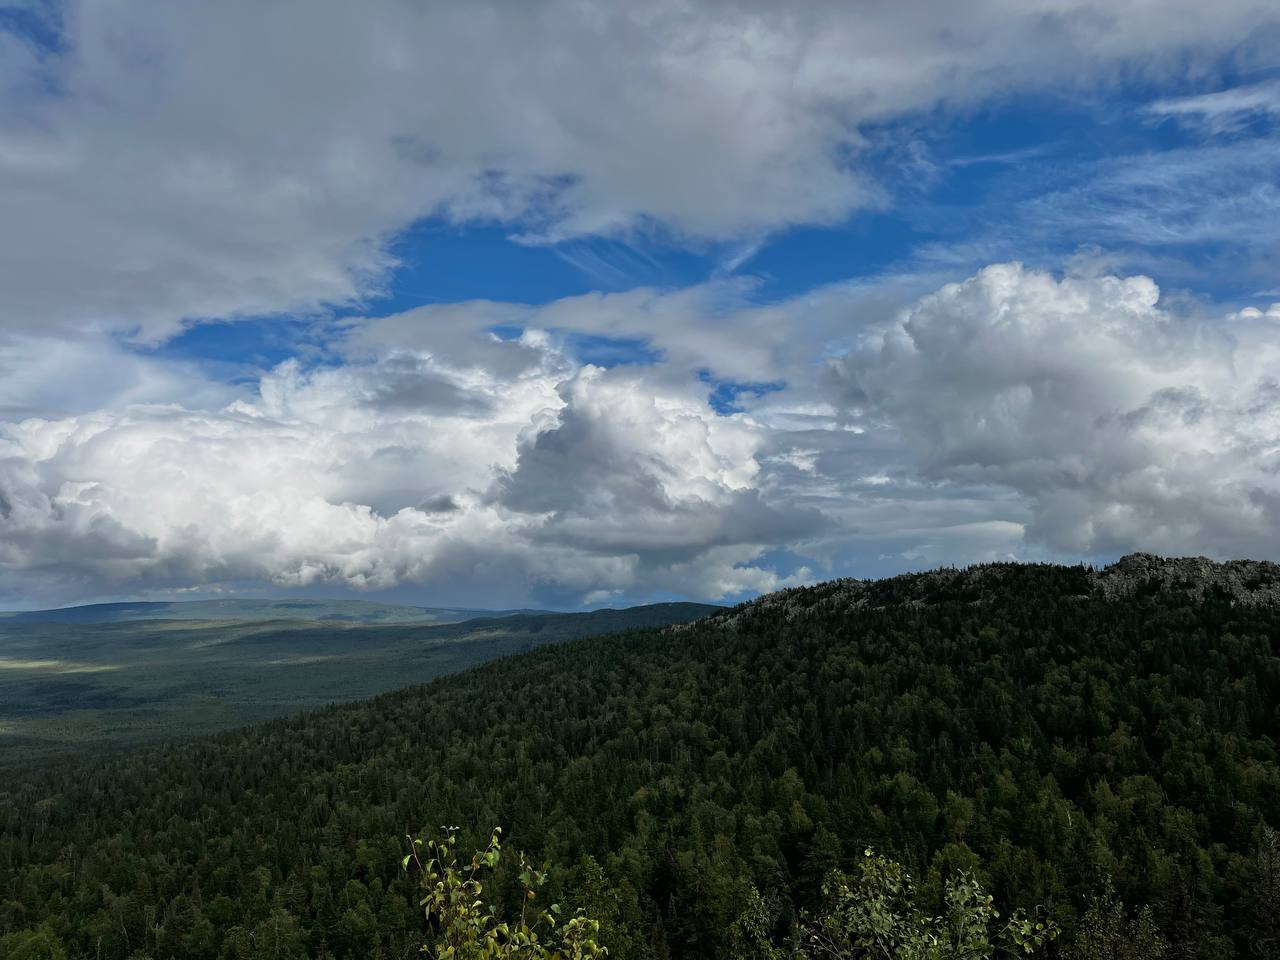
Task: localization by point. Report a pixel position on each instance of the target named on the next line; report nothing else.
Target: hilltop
(1250, 583)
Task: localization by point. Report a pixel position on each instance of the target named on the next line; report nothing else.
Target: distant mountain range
(238, 609)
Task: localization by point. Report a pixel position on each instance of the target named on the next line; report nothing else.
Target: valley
(69, 686)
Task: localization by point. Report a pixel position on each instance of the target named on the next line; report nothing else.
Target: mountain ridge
(1248, 583)
(254, 608)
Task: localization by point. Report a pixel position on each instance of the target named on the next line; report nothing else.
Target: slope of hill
(71, 687)
(346, 611)
(1022, 719)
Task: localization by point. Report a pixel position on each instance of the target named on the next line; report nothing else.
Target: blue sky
(428, 305)
(947, 181)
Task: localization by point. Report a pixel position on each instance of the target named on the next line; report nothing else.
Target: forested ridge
(1057, 733)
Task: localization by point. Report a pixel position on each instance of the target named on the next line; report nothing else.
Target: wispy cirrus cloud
(1203, 194)
(1205, 215)
(1222, 111)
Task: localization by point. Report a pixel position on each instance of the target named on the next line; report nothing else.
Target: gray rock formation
(1250, 583)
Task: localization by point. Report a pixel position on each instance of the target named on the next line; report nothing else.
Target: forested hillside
(1056, 731)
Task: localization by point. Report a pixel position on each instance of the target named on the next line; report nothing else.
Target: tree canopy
(1110, 763)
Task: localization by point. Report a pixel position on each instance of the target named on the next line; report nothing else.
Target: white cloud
(1012, 414)
(231, 159)
(1223, 110)
(715, 327)
(1119, 423)
(43, 376)
(522, 477)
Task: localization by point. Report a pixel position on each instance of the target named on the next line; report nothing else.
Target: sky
(573, 304)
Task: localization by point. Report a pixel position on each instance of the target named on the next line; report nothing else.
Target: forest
(1100, 760)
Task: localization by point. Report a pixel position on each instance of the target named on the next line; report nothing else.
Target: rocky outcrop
(1250, 583)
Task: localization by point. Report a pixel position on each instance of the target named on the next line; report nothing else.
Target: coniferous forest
(1104, 758)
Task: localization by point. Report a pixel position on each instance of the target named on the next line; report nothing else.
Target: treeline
(1053, 743)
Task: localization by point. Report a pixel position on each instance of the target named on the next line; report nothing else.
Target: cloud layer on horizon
(1014, 412)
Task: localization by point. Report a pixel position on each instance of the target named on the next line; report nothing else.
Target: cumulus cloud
(1120, 423)
(627, 469)
(529, 476)
(165, 163)
(1015, 413)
